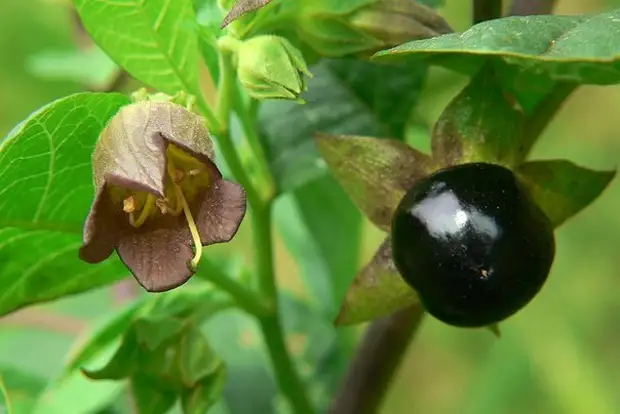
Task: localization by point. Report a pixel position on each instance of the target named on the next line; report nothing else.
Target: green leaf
(5, 403)
(152, 332)
(375, 173)
(124, 362)
(45, 164)
(195, 359)
(150, 397)
(155, 41)
(389, 91)
(562, 48)
(562, 188)
(341, 99)
(378, 290)
(205, 394)
(479, 124)
(102, 337)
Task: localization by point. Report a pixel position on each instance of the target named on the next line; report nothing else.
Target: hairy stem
(486, 10)
(531, 7)
(376, 361)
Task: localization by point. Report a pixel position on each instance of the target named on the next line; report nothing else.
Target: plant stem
(531, 7)
(226, 92)
(543, 113)
(487, 10)
(286, 376)
(246, 299)
(376, 361)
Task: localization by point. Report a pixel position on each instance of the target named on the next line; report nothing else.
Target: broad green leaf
(479, 124)
(123, 363)
(149, 397)
(340, 100)
(205, 394)
(155, 41)
(562, 188)
(378, 290)
(102, 337)
(389, 91)
(5, 403)
(45, 193)
(562, 48)
(375, 173)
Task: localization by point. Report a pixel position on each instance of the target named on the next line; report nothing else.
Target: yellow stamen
(129, 204)
(193, 264)
(144, 213)
(193, 172)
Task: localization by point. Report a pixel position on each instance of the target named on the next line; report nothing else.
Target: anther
(129, 204)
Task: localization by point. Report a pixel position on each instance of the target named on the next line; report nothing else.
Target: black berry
(473, 244)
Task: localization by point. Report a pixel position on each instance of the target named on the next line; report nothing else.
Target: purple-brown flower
(158, 192)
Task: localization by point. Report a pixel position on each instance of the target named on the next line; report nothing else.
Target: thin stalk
(486, 10)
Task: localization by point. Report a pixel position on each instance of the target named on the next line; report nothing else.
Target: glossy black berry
(473, 244)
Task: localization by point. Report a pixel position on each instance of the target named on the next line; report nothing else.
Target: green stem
(487, 10)
(248, 300)
(248, 124)
(226, 92)
(287, 378)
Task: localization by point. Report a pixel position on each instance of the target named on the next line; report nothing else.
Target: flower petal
(158, 254)
(131, 150)
(378, 290)
(102, 229)
(221, 212)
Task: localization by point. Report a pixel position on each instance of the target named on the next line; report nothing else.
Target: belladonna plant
(158, 192)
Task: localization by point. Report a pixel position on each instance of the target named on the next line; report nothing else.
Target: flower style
(158, 191)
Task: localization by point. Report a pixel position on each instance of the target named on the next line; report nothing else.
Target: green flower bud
(270, 67)
(354, 27)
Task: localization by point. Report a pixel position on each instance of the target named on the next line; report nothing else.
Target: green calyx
(270, 67)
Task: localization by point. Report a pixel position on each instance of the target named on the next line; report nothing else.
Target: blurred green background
(559, 355)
